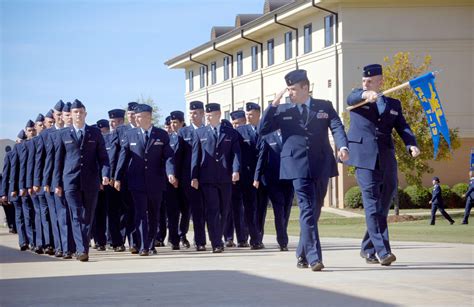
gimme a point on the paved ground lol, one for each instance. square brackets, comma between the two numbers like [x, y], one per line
[425, 274]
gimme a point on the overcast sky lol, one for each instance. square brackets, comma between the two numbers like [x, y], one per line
[102, 52]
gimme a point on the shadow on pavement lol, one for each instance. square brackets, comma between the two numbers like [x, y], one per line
[10, 255]
[196, 288]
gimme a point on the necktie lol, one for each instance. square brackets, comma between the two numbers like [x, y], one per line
[79, 136]
[216, 135]
[146, 138]
[304, 113]
[380, 105]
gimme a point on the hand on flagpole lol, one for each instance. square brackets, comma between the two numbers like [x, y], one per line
[415, 151]
[370, 96]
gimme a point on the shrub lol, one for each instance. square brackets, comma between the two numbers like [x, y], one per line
[460, 189]
[353, 198]
[449, 197]
[403, 200]
[418, 196]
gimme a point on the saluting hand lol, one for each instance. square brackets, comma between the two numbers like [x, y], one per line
[117, 185]
[59, 191]
[235, 177]
[415, 151]
[195, 183]
[277, 99]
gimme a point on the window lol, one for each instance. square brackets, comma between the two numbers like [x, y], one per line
[190, 79]
[308, 29]
[254, 58]
[227, 115]
[328, 30]
[288, 45]
[270, 52]
[202, 76]
[240, 59]
[213, 72]
[226, 68]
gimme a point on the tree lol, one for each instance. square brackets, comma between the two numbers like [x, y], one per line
[156, 116]
[396, 71]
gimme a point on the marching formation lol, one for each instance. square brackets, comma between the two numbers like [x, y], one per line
[135, 184]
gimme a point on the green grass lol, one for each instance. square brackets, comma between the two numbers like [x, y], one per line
[331, 225]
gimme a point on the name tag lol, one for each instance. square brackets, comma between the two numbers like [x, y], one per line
[272, 144]
[67, 142]
[203, 140]
[322, 115]
[108, 148]
[287, 117]
[227, 140]
[247, 141]
[393, 112]
[133, 144]
[158, 143]
[187, 139]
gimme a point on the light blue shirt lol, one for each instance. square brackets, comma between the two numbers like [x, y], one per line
[149, 133]
[380, 104]
[76, 129]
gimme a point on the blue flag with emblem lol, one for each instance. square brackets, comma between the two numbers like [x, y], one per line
[425, 89]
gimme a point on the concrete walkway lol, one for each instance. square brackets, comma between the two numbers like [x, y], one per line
[425, 274]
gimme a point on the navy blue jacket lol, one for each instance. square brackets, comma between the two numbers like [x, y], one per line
[184, 153]
[40, 157]
[22, 160]
[78, 166]
[249, 151]
[30, 146]
[268, 165]
[145, 167]
[470, 190]
[5, 190]
[50, 143]
[306, 151]
[213, 162]
[14, 169]
[370, 133]
[436, 197]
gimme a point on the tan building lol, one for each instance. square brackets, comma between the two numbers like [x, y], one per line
[333, 40]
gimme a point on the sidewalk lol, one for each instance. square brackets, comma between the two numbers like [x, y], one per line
[425, 274]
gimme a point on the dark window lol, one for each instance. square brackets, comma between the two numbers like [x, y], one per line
[288, 45]
[328, 30]
[308, 29]
[226, 67]
[213, 72]
[240, 60]
[254, 58]
[191, 81]
[202, 76]
[270, 52]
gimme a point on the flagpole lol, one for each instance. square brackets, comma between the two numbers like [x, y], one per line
[390, 90]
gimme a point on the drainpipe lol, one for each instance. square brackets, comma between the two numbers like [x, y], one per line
[231, 72]
[262, 103]
[207, 75]
[275, 18]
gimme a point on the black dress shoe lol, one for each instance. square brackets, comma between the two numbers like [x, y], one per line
[49, 250]
[243, 244]
[67, 255]
[201, 248]
[388, 259]
[370, 259]
[175, 247]
[230, 243]
[218, 249]
[119, 249]
[257, 246]
[58, 254]
[101, 248]
[133, 250]
[283, 248]
[39, 250]
[185, 242]
[24, 247]
[153, 252]
[451, 223]
[83, 257]
[144, 253]
[317, 266]
[159, 243]
[302, 263]
[464, 222]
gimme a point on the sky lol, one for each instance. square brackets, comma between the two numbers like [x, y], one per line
[102, 52]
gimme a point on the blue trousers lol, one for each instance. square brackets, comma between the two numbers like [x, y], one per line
[115, 207]
[235, 218]
[310, 194]
[281, 195]
[377, 187]
[262, 205]
[147, 210]
[51, 200]
[29, 218]
[99, 225]
[467, 209]
[127, 218]
[193, 198]
[439, 207]
[82, 207]
[172, 211]
[45, 220]
[64, 221]
[163, 221]
[38, 229]
[20, 221]
[216, 197]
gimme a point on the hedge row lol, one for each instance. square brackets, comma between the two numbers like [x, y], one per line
[414, 197]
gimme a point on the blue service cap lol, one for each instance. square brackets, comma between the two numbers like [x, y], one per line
[77, 104]
[30, 124]
[211, 107]
[67, 107]
[21, 135]
[40, 118]
[49, 114]
[139, 108]
[372, 70]
[59, 106]
[168, 120]
[295, 76]
[177, 115]
[237, 114]
[8, 148]
[436, 178]
[102, 123]
[132, 105]
[196, 105]
[116, 113]
[249, 106]
[226, 123]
